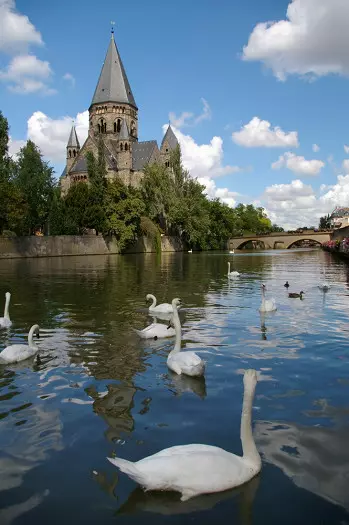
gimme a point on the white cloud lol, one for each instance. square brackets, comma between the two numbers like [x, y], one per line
[297, 204]
[223, 194]
[188, 119]
[14, 146]
[51, 135]
[259, 133]
[346, 148]
[69, 78]
[205, 160]
[27, 74]
[312, 40]
[16, 30]
[298, 164]
[316, 148]
[345, 165]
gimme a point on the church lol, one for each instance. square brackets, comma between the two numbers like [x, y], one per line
[113, 116]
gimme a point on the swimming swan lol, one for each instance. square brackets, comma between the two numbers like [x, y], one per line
[156, 331]
[5, 321]
[17, 353]
[165, 308]
[232, 274]
[324, 287]
[187, 362]
[268, 305]
[200, 469]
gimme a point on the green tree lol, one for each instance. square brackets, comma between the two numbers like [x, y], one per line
[76, 209]
[124, 210]
[325, 222]
[34, 178]
[97, 173]
[13, 205]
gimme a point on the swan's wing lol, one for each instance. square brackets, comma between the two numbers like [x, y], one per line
[12, 353]
[187, 359]
[185, 449]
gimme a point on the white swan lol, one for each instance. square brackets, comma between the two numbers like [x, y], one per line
[188, 363]
[190, 251]
[5, 321]
[200, 469]
[17, 353]
[232, 274]
[232, 251]
[324, 287]
[268, 305]
[156, 331]
[165, 308]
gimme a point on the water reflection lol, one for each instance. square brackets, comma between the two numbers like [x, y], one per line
[317, 459]
[93, 364]
[168, 503]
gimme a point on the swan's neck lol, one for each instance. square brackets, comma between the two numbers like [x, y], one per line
[263, 296]
[178, 331]
[153, 298]
[7, 305]
[249, 449]
[30, 339]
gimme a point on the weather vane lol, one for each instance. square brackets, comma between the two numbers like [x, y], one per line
[112, 26]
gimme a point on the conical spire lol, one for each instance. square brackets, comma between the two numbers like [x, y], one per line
[112, 84]
[73, 141]
[124, 134]
[170, 137]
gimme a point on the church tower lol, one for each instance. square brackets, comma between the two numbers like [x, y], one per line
[168, 144]
[73, 147]
[113, 103]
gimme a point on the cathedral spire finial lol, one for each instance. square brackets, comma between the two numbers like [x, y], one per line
[112, 28]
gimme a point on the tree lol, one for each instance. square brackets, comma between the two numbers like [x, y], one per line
[76, 209]
[325, 222]
[124, 209]
[34, 178]
[13, 206]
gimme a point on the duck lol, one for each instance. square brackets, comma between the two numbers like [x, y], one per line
[5, 322]
[200, 469]
[17, 353]
[295, 295]
[156, 331]
[190, 251]
[188, 363]
[286, 285]
[232, 274]
[268, 305]
[165, 308]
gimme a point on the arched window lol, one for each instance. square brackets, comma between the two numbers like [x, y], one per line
[118, 125]
[114, 127]
[74, 152]
[126, 147]
[102, 126]
[133, 128]
[121, 147]
[167, 164]
[123, 110]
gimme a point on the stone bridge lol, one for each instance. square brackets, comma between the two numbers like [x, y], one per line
[280, 240]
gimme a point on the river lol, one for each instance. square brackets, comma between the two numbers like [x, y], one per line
[99, 390]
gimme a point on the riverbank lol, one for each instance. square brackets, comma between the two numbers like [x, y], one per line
[68, 245]
[338, 247]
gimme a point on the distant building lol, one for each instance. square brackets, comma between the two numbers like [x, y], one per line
[113, 116]
[340, 217]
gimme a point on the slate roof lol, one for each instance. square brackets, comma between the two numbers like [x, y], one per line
[141, 153]
[113, 85]
[80, 165]
[64, 172]
[170, 137]
[73, 141]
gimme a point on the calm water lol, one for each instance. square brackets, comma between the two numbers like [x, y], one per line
[98, 389]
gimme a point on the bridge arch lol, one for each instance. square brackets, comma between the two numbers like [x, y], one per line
[295, 242]
[242, 244]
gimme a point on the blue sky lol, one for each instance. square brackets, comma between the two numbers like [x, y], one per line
[188, 56]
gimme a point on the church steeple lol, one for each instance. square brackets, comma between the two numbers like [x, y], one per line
[73, 147]
[113, 85]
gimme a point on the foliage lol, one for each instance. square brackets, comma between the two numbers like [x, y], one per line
[124, 209]
[34, 179]
[325, 222]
